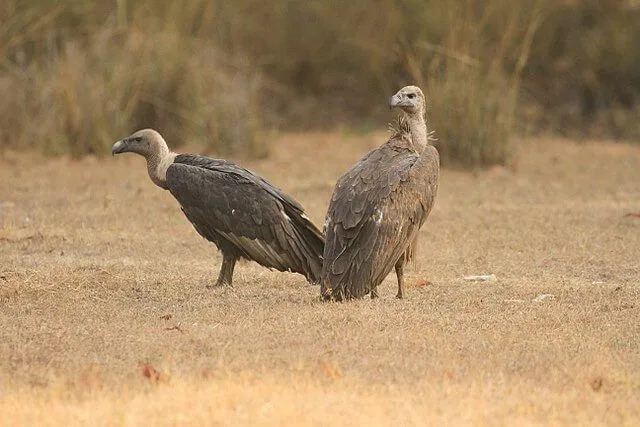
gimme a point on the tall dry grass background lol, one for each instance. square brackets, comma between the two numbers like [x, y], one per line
[76, 75]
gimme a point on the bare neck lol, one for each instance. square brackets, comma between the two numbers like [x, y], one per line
[418, 127]
[157, 164]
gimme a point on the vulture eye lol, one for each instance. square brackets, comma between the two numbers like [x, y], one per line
[137, 139]
[411, 95]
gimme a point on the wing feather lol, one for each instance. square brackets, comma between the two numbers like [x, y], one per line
[230, 205]
[375, 212]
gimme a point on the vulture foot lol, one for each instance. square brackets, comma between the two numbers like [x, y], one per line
[218, 284]
[226, 272]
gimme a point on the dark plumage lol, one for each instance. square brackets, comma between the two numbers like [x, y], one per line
[243, 214]
[378, 207]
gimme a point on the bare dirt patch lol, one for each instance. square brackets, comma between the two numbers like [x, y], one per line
[105, 317]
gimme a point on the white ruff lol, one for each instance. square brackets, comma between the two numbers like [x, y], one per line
[161, 169]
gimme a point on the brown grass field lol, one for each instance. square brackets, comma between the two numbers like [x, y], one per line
[105, 319]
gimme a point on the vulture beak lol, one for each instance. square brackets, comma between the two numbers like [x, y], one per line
[394, 101]
[119, 147]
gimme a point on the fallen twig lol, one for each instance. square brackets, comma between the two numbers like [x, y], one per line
[175, 328]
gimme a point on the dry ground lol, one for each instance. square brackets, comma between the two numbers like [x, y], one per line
[102, 280]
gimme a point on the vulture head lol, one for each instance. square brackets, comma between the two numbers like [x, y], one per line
[146, 142]
[149, 144]
[410, 99]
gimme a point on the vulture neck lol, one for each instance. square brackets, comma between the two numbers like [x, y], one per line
[158, 161]
[418, 127]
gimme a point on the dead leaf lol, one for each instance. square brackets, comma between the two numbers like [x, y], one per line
[423, 282]
[150, 372]
[596, 383]
[330, 370]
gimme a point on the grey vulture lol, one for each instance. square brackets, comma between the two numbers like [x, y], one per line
[242, 213]
[379, 205]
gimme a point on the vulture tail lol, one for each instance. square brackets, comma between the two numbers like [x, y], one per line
[311, 244]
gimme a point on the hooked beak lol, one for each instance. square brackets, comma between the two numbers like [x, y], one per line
[119, 147]
[394, 101]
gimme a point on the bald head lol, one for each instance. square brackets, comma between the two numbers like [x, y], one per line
[410, 99]
[149, 144]
[146, 142]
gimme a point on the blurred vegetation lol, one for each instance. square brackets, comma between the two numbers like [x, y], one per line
[77, 75]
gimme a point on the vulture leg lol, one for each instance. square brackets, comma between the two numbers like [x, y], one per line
[226, 271]
[400, 274]
[374, 293]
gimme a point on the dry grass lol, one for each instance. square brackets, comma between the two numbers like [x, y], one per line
[102, 278]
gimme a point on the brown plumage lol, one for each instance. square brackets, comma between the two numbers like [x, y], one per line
[378, 207]
[242, 213]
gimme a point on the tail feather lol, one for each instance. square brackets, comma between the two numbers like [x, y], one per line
[311, 244]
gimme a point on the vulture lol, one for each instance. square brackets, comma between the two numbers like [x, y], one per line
[379, 205]
[243, 214]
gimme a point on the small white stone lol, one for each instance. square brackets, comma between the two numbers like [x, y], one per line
[543, 297]
[481, 278]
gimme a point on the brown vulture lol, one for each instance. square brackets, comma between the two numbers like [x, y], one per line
[242, 213]
[378, 207]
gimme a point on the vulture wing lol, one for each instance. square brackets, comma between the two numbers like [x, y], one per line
[376, 210]
[230, 205]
